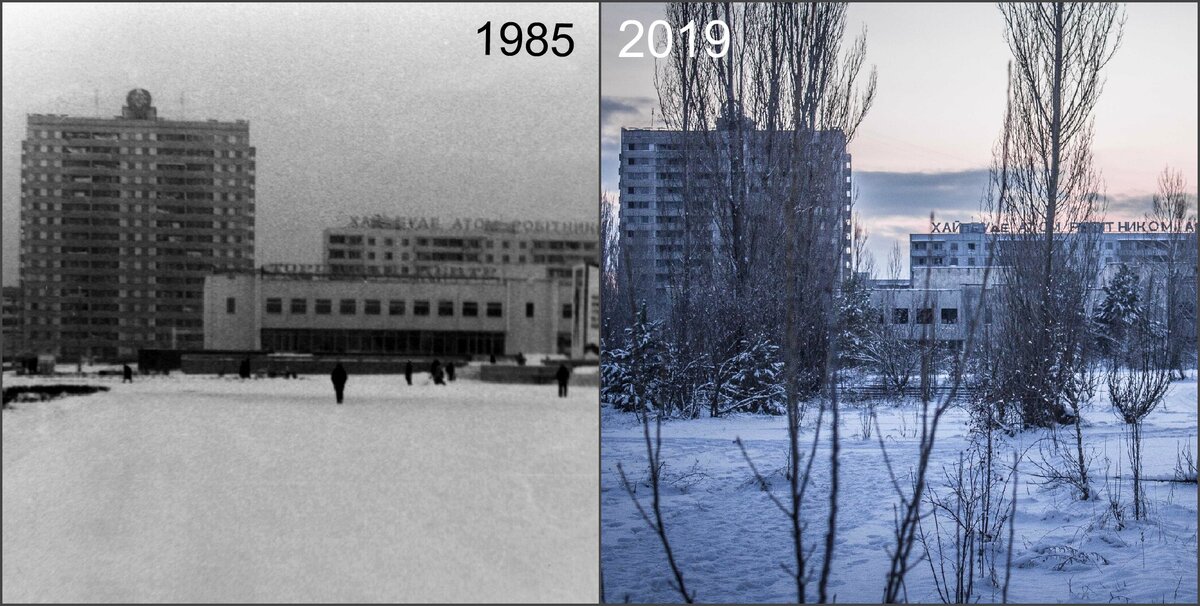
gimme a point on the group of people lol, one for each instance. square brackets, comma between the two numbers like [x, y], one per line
[438, 373]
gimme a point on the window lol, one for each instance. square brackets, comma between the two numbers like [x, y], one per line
[274, 306]
[495, 309]
[371, 307]
[566, 311]
[900, 315]
[529, 310]
[445, 308]
[949, 315]
[470, 309]
[925, 316]
[395, 308]
[299, 306]
[230, 305]
[324, 307]
[420, 308]
[348, 307]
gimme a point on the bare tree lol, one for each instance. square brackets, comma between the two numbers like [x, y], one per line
[759, 154]
[1174, 210]
[1138, 380]
[1059, 51]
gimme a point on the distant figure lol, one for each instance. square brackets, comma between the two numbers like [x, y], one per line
[127, 374]
[339, 381]
[408, 370]
[244, 369]
[449, 371]
[435, 371]
[563, 375]
[520, 357]
[492, 359]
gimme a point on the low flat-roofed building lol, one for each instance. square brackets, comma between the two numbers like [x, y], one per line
[309, 309]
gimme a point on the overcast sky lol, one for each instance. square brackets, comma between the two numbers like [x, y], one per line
[927, 142]
[354, 109]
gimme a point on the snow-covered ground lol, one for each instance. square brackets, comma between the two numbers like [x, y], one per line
[730, 540]
[206, 489]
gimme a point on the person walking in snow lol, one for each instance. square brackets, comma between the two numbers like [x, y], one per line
[244, 369]
[127, 374]
[436, 372]
[563, 375]
[450, 371]
[408, 370]
[339, 381]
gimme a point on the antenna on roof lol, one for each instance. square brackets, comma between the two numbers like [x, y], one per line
[651, 117]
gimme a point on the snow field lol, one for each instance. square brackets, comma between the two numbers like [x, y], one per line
[205, 489]
[730, 540]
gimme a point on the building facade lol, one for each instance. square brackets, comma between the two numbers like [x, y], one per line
[969, 245]
[14, 339]
[469, 248]
[948, 269]
[652, 217]
[121, 220]
[311, 309]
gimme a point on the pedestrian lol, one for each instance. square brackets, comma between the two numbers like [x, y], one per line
[408, 370]
[520, 357]
[492, 359]
[435, 372]
[127, 374]
[449, 371]
[244, 368]
[339, 381]
[563, 375]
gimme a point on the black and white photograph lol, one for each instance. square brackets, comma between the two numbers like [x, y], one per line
[899, 303]
[301, 303]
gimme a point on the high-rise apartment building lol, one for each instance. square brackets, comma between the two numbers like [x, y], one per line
[121, 220]
[652, 190]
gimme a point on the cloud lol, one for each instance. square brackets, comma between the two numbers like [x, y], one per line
[916, 194]
[611, 107]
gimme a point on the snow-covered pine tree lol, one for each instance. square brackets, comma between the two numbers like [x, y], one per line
[856, 319]
[1119, 311]
[755, 382]
[632, 373]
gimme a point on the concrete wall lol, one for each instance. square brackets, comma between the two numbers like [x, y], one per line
[239, 330]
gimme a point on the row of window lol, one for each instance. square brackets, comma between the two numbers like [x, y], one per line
[949, 315]
[938, 245]
[395, 307]
[938, 261]
[355, 240]
[137, 136]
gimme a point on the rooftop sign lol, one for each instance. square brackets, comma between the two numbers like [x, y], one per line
[1124, 227]
[467, 224]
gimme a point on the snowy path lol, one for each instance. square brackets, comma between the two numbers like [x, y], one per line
[730, 540]
[206, 489]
